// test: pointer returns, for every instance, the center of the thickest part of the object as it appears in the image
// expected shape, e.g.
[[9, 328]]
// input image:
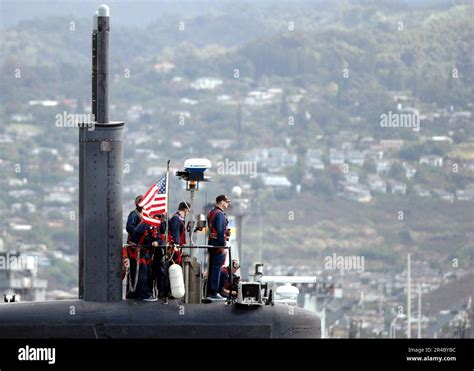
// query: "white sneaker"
[[151, 298], [216, 297]]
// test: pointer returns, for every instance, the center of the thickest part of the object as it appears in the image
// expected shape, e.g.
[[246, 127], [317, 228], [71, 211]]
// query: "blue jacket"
[[219, 226], [162, 232], [135, 227], [154, 235], [177, 229]]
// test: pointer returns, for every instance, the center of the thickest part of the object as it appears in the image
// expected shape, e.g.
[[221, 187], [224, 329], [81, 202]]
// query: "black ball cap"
[[222, 198], [138, 199], [184, 206]]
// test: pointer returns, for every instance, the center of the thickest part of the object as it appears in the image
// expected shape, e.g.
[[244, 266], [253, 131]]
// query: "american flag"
[[155, 201]]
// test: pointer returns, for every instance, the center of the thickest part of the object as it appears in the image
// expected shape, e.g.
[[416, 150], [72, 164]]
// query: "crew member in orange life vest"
[[218, 236], [177, 230]]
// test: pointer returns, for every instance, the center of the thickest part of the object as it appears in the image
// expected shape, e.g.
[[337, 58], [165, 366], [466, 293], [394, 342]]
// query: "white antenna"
[[104, 11], [409, 297], [94, 17]]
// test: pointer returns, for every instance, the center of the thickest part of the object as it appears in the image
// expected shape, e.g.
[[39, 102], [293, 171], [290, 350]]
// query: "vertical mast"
[[103, 30]]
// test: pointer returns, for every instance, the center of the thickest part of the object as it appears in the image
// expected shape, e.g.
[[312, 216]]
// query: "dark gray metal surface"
[[192, 275], [103, 70], [81, 210], [81, 162], [102, 192], [94, 75], [135, 319]]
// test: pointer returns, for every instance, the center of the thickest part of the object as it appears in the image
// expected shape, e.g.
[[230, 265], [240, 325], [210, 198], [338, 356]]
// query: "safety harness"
[[210, 222], [134, 252], [125, 251], [175, 253]]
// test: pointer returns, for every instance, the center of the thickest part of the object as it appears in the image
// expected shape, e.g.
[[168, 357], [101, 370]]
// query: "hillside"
[[323, 226], [332, 67]]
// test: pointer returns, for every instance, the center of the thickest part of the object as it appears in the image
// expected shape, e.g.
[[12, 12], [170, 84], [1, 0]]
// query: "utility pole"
[[239, 212], [419, 311], [409, 296], [260, 237]]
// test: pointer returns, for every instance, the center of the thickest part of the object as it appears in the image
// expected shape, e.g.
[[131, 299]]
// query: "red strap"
[[212, 213], [142, 238], [124, 252], [178, 257], [210, 217], [182, 235], [144, 261], [133, 252]]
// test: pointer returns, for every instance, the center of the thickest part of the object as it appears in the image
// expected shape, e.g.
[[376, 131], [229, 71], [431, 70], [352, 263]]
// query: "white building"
[[397, 187], [206, 83], [421, 191], [58, 197], [376, 183], [465, 194], [357, 193], [355, 157], [18, 276], [431, 160], [351, 177], [444, 195], [313, 159], [336, 157], [410, 171], [276, 181], [383, 167]]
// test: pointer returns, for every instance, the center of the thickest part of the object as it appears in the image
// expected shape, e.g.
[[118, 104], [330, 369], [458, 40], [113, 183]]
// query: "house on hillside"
[[431, 160], [421, 191], [397, 187], [376, 183], [313, 159], [444, 195]]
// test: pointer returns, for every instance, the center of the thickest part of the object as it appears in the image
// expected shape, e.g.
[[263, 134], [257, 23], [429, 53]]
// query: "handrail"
[[229, 299]]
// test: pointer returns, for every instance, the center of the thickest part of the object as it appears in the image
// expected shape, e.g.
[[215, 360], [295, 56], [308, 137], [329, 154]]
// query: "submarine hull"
[[134, 319]]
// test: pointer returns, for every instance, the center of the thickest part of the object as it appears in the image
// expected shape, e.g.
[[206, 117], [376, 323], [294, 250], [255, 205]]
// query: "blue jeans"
[[216, 261]]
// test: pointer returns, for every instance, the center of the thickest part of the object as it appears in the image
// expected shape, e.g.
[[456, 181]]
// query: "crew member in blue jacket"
[[177, 230], [139, 233], [134, 228], [218, 236], [157, 240], [225, 287]]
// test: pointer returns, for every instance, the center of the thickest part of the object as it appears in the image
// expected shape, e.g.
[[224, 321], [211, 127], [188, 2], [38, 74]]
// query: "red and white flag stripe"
[[155, 201]]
